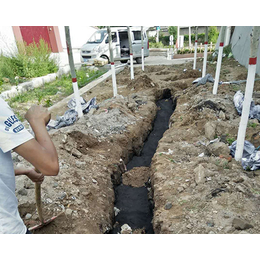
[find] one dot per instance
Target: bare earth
(196, 186)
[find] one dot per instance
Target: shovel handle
(38, 199)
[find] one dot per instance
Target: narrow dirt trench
(133, 196)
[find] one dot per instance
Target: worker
(39, 151)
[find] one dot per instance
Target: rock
(199, 174)
(116, 210)
(218, 149)
(125, 229)
(55, 184)
(76, 153)
(68, 212)
(168, 205)
(240, 224)
(28, 216)
(222, 115)
(210, 129)
(80, 165)
(28, 184)
(23, 192)
(62, 195)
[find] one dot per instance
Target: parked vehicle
(98, 46)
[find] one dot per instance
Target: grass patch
(52, 92)
(29, 61)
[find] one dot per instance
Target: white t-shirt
(12, 134)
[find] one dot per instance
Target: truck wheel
(123, 61)
(138, 60)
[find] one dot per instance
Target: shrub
(28, 62)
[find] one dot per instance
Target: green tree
(213, 34)
(172, 30)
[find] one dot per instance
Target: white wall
(7, 40)
(78, 35)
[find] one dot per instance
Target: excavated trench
(134, 205)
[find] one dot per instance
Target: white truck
(97, 46)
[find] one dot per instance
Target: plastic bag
(238, 102)
(250, 158)
(204, 80)
(86, 106)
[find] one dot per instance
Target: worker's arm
(40, 152)
(30, 173)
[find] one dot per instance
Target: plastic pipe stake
(248, 92)
(142, 39)
(131, 52)
(73, 72)
(196, 45)
(112, 64)
(220, 52)
(205, 53)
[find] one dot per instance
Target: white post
(112, 63)
(142, 39)
(189, 38)
(131, 52)
(178, 40)
(227, 36)
(205, 53)
(157, 33)
(220, 52)
(73, 72)
(196, 44)
(248, 92)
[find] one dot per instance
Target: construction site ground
(196, 186)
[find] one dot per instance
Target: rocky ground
(196, 186)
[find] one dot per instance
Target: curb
(36, 82)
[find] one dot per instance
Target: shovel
(39, 208)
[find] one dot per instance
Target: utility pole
(196, 45)
(73, 72)
(131, 52)
(142, 40)
(205, 53)
(112, 63)
(220, 52)
(248, 92)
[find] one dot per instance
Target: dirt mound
(142, 83)
(137, 177)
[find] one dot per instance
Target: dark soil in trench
(136, 208)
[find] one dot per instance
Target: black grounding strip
(136, 209)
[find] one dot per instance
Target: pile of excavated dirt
(196, 186)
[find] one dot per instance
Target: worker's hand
(35, 176)
(39, 114)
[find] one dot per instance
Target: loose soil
(196, 186)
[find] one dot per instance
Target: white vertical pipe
(73, 72)
(196, 45)
(142, 39)
(248, 92)
(178, 40)
(189, 37)
(131, 52)
(112, 64)
(205, 53)
(220, 52)
(114, 78)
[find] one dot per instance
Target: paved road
(151, 60)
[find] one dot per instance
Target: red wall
(30, 33)
(49, 33)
